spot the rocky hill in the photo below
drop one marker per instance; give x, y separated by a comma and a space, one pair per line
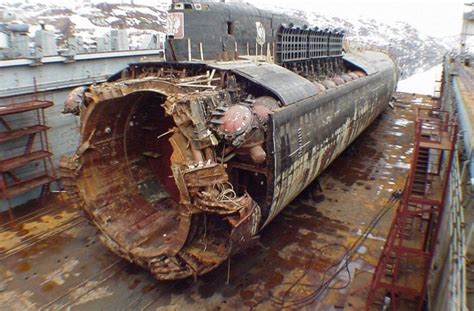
413, 50
91, 21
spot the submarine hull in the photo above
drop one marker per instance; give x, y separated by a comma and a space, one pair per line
180, 165
307, 136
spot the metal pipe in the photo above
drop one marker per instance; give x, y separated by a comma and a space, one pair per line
189, 49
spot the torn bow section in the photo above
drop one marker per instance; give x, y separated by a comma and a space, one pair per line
152, 169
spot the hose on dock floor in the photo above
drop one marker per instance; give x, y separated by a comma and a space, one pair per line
342, 264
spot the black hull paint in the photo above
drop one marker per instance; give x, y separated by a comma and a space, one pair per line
308, 135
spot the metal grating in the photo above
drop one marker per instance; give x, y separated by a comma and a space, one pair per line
297, 44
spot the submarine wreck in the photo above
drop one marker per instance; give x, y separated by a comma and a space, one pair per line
182, 162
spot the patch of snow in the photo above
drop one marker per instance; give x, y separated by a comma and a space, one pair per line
370, 236
144, 10
112, 19
422, 82
119, 12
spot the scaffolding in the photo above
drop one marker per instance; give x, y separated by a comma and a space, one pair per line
401, 276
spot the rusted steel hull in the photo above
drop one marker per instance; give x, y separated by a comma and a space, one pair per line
181, 164
308, 136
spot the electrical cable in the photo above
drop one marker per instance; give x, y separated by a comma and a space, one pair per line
341, 264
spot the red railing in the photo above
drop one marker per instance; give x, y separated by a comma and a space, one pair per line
392, 283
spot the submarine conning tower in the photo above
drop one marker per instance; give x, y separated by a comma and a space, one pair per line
236, 29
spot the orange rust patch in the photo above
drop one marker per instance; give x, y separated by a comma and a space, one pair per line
48, 286
23, 267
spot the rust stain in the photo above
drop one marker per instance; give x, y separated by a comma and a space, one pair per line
147, 288
23, 267
134, 284
14, 237
48, 286
247, 294
23, 232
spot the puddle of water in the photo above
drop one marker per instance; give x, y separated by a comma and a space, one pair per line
394, 146
370, 236
402, 122
398, 134
402, 165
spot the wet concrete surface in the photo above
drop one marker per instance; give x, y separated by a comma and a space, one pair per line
53, 260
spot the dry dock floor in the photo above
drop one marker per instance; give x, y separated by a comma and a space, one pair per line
51, 259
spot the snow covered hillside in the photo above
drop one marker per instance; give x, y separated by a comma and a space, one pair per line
415, 51
91, 21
